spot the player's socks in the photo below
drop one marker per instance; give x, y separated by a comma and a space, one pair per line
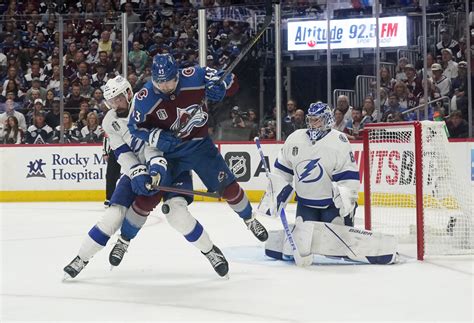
75, 267
118, 251
218, 261
256, 228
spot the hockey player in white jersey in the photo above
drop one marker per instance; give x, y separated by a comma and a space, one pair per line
326, 179
132, 200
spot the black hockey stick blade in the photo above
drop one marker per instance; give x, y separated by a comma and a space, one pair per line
184, 191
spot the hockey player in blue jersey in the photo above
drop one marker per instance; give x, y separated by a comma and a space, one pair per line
320, 163
132, 201
169, 113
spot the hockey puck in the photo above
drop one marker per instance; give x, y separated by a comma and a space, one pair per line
165, 209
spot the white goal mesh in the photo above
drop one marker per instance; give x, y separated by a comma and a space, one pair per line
444, 199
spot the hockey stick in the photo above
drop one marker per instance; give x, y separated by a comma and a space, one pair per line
299, 260
183, 191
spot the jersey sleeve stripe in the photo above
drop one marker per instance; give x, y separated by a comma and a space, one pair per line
345, 176
283, 168
122, 149
318, 203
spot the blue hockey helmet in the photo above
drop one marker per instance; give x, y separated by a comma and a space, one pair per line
164, 70
319, 120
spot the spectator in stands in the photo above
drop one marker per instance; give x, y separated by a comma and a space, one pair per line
413, 82
92, 56
12, 87
38, 105
83, 113
36, 86
100, 78
252, 123
105, 61
442, 83
369, 113
71, 132
137, 57
39, 132
457, 126
52, 118
11, 112
105, 43
458, 90
86, 87
48, 102
405, 98
430, 60
446, 42
237, 117
386, 79
133, 19
54, 82
92, 132
460, 55
394, 111
450, 67
74, 100
297, 122
268, 132
12, 133
344, 105
35, 75
290, 111
354, 126
400, 69
340, 123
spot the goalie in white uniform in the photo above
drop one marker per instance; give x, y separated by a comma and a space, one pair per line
132, 201
326, 179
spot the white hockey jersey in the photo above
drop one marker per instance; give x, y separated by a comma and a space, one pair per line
129, 150
315, 165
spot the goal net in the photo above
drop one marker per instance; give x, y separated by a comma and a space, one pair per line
412, 188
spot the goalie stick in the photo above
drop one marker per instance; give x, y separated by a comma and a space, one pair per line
299, 260
236, 61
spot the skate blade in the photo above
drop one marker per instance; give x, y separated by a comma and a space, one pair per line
112, 267
66, 278
226, 277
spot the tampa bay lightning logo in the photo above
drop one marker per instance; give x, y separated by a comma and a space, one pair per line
309, 171
188, 118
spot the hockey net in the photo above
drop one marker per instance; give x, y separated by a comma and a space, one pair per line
413, 190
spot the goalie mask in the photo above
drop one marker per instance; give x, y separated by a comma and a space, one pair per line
118, 95
319, 120
164, 73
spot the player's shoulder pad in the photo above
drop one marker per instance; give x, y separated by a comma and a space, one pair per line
144, 100
110, 122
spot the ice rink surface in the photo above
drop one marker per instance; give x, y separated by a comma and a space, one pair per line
164, 278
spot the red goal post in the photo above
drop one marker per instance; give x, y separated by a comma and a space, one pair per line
411, 188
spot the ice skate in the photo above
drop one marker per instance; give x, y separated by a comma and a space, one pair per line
218, 261
257, 228
74, 267
118, 251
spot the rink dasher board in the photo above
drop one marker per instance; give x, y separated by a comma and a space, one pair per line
76, 172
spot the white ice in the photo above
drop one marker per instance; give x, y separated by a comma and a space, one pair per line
164, 278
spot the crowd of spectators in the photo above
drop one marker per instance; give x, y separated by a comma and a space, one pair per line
30, 70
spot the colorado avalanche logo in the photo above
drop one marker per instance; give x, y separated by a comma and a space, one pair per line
188, 118
309, 171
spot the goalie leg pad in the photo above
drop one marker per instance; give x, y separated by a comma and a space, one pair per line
356, 244
278, 247
99, 234
134, 220
179, 217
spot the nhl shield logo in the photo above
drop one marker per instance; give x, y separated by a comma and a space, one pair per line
294, 151
162, 115
239, 164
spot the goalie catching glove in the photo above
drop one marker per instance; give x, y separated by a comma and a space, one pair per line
277, 196
344, 199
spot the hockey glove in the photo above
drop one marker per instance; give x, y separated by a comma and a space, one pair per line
344, 199
277, 196
158, 166
215, 92
140, 180
164, 140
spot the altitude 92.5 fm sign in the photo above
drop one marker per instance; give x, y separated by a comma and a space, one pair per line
346, 33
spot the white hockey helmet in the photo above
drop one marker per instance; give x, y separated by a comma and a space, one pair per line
114, 88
